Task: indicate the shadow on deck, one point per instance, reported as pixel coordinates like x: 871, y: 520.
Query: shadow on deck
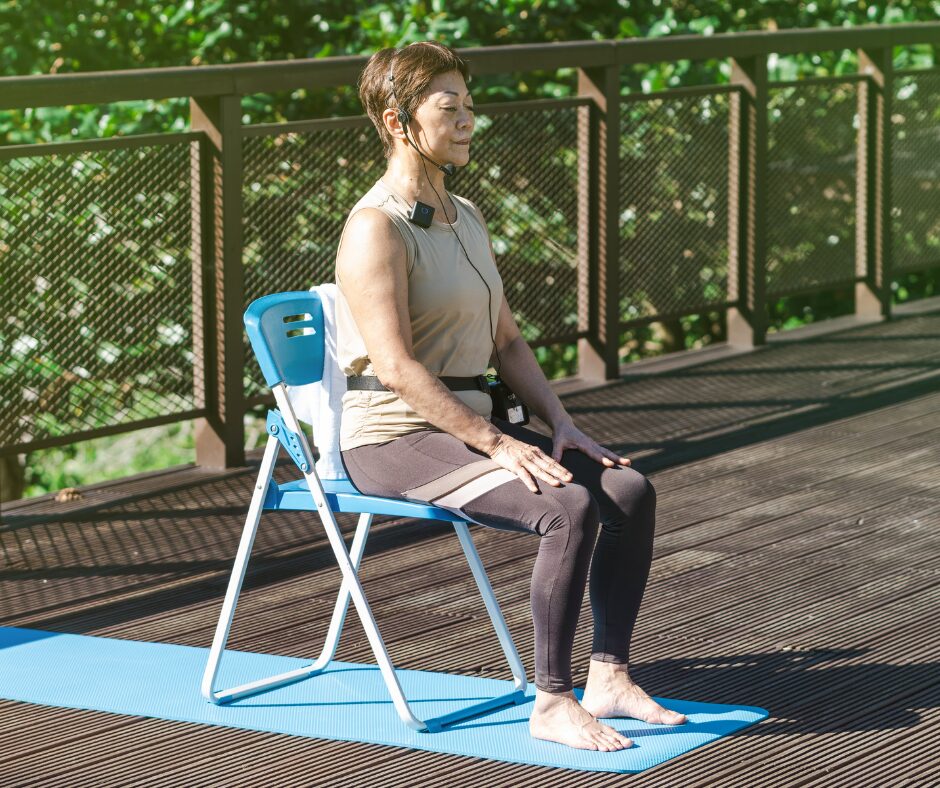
x: 796, y: 569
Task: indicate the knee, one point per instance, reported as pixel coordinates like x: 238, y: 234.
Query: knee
x: 632, y: 499
x: 575, y: 509
x: 635, y: 492
x: 582, y: 506
x: 581, y: 513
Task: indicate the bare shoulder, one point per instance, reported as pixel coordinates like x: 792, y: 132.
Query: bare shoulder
x: 371, y: 244
x: 372, y: 225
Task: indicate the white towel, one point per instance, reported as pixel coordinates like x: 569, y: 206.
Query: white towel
x: 320, y: 404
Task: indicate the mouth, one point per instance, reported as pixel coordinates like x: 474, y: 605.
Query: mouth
x: 461, y: 142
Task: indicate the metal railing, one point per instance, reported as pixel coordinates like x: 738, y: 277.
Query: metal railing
x: 126, y: 262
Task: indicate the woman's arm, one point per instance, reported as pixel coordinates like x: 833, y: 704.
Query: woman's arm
x: 522, y: 372
x: 520, y: 369
x: 371, y: 272
x: 517, y: 364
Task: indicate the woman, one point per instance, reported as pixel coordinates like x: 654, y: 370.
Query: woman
x: 420, y: 309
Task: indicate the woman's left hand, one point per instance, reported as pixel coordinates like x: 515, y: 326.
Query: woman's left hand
x: 567, y: 436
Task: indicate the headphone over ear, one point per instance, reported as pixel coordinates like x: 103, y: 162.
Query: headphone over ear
x: 403, y: 116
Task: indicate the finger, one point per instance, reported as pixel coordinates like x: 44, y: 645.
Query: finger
x: 597, y: 454
x: 616, y: 458
x: 551, y: 478
x: 542, y: 473
x: 555, y: 468
x: 604, y: 456
x: 527, y: 479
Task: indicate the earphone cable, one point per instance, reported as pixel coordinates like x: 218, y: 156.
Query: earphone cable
x: 489, y: 293
x: 403, y: 118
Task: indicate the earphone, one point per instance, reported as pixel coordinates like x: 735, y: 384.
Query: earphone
x: 422, y: 214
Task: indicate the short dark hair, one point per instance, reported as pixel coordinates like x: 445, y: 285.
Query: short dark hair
x: 414, y: 67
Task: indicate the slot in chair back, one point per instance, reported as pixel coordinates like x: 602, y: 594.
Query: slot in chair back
x: 287, y: 333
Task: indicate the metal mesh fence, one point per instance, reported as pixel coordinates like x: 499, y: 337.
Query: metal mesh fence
x: 915, y: 182
x: 674, y: 204
x: 300, y: 185
x: 95, y: 237
x: 811, y: 186
x: 95, y: 254
x: 298, y: 190
x: 523, y: 175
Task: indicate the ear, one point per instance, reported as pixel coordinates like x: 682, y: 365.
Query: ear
x: 392, y: 125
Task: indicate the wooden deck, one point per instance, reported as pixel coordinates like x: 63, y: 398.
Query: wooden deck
x: 796, y: 569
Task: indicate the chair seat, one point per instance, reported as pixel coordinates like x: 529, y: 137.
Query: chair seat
x: 343, y: 497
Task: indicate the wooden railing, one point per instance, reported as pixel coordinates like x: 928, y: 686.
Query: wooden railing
x: 621, y: 250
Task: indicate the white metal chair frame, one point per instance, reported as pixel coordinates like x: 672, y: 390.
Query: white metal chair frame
x: 344, y: 498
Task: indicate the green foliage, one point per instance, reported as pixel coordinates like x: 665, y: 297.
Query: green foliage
x: 675, y: 210
x: 116, y: 456
x: 109, y: 458
x: 67, y: 37
x: 89, y: 364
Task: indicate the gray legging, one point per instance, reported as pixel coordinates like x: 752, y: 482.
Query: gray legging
x: 438, y: 468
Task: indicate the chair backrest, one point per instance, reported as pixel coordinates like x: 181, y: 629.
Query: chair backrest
x: 287, y: 335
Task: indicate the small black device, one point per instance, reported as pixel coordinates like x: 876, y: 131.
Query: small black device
x: 421, y: 214
x: 506, y: 405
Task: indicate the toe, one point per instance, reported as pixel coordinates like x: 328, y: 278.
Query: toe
x: 609, y: 745
x: 672, y: 717
x: 618, y: 743
x: 614, y: 739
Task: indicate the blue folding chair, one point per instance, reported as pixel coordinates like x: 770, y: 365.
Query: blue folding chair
x: 287, y: 335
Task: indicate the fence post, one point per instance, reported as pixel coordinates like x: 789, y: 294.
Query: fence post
x: 873, y: 247
x: 598, y: 222
x: 217, y: 280
x: 747, y: 200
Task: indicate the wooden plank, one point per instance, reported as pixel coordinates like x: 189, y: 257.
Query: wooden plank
x: 811, y: 553
x: 809, y: 711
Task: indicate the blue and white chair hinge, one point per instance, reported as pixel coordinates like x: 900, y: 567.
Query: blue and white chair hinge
x: 289, y: 439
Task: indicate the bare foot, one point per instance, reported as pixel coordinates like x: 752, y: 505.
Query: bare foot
x: 560, y: 718
x: 610, y: 692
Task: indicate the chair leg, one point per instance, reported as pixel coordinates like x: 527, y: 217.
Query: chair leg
x: 350, y: 576
x: 234, y: 590
x: 342, y: 599
x: 238, y: 573
x: 517, y: 695
x: 492, y: 605
x: 351, y: 588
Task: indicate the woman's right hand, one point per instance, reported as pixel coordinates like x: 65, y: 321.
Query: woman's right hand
x: 528, y: 461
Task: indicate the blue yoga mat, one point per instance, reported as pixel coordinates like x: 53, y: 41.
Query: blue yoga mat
x: 348, y: 702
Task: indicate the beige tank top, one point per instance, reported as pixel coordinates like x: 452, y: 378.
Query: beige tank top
x: 447, y: 302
